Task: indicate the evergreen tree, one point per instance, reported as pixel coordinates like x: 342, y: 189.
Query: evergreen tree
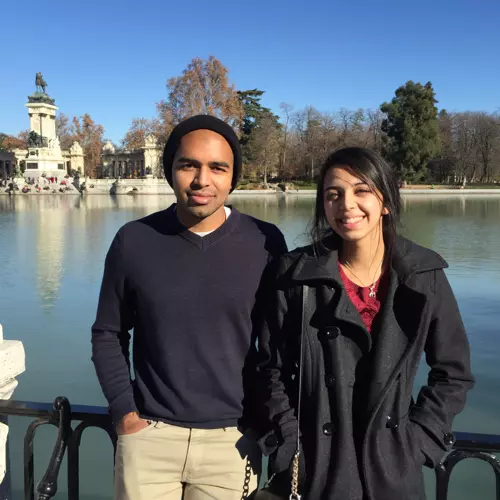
x: 411, y: 128
x: 254, y: 116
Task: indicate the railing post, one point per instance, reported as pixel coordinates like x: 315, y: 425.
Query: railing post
x: 11, y: 365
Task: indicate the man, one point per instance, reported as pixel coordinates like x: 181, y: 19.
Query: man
x: 185, y: 280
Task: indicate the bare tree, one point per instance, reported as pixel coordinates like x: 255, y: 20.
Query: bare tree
x: 487, y: 135
x: 374, y: 119
x: 135, y: 137
x: 443, y: 167
x: 286, y: 110
x: 203, y: 88
x: 357, y: 129
x: 470, y: 147
x: 308, y: 125
x: 344, y: 118
x: 65, y: 131
x: 465, y: 148
x: 265, y: 146
x: 90, y: 136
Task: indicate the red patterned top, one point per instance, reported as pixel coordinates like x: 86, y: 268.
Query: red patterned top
x: 368, y: 307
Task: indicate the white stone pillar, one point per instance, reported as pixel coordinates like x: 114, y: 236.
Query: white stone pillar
x: 152, y: 155
x: 12, y: 364
x: 77, y: 158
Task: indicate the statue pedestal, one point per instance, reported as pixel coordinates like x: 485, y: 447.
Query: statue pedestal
x: 47, y: 161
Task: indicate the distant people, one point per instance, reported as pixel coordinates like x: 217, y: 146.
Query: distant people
x: 374, y: 303
x: 185, y: 279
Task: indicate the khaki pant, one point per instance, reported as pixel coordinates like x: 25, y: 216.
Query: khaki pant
x: 168, y: 462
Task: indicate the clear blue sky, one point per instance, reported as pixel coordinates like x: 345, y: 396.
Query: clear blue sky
x: 112, y: 58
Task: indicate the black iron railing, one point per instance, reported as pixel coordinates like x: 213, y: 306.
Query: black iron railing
x: 69, y: 436
x: 468, y: 445
x: 62, y: 415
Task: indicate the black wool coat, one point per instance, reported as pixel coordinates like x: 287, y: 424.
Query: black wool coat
x: 363, y: 435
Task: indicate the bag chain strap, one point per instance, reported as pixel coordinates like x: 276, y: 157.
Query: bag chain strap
x: 294, y: 495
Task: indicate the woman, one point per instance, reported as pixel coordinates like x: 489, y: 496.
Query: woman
x: 375, y: 303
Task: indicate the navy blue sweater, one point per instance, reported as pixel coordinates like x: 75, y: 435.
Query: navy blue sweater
x: 190, y: 301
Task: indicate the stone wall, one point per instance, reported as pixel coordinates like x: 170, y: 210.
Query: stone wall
x: 148, y: 185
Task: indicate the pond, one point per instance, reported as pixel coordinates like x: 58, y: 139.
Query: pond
x: 52, y: 250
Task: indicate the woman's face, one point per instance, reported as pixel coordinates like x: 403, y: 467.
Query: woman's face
x: 354, y: 210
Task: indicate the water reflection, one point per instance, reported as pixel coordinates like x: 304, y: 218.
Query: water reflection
x: 70, y: 234
x: 50, y: 253
x: 464, y: 228
x: 291, y: 213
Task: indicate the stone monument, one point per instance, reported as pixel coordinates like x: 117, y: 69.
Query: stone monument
x: 44, y: 151
x: 108, y: 148
x: 151, y: 156
x: 76, y: 155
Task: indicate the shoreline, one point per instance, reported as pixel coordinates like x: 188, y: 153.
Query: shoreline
x: 267, y: 192
x: 406, y: 191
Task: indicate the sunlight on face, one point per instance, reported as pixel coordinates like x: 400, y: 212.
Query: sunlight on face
x: 353, y: 208
x: 202, y: 174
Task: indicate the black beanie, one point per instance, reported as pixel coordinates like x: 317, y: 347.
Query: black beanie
x: 201, y: 122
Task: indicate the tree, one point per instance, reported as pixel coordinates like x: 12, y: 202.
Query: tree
x: 465, y: 147
x: 65, y: 131
x: 23, y: 136
x: 411, y: 129
x: 163, y: 125
x: 286, y: 110
x: 10, y: 142
x: 357, y: 130
x: 3, y: 137
x: 252, y: 111
x: 487, y: 141
x: 308, y: 124
x: 135, y: 137
x: 203, y: 88
x: 90, y: 136
x: 443, y: 167
x: 264, y: 144
x: 255, y: 118
x: 375, y: 118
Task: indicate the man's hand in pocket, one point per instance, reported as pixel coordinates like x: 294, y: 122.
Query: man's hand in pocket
x: 130, y: 424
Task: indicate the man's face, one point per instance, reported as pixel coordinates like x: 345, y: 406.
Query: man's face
x: 202, y: 174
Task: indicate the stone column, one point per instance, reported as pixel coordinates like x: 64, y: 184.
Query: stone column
x: 77, y: 158
x: 151, y: 155
x: 11, y: 365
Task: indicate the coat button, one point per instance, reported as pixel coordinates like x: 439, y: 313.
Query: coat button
x: 449, y: 439
x: 330, y: 380
x: 328, y: 429
x: 332, y: 332
x: 391, y: 423
x: 271, y: 441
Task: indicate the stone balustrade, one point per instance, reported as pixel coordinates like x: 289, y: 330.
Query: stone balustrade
x: 12, y: 364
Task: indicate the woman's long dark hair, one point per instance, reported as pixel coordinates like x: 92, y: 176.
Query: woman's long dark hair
x: 372, y: 169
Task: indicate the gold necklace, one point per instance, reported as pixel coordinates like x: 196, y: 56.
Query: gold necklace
x: 371, y: 287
